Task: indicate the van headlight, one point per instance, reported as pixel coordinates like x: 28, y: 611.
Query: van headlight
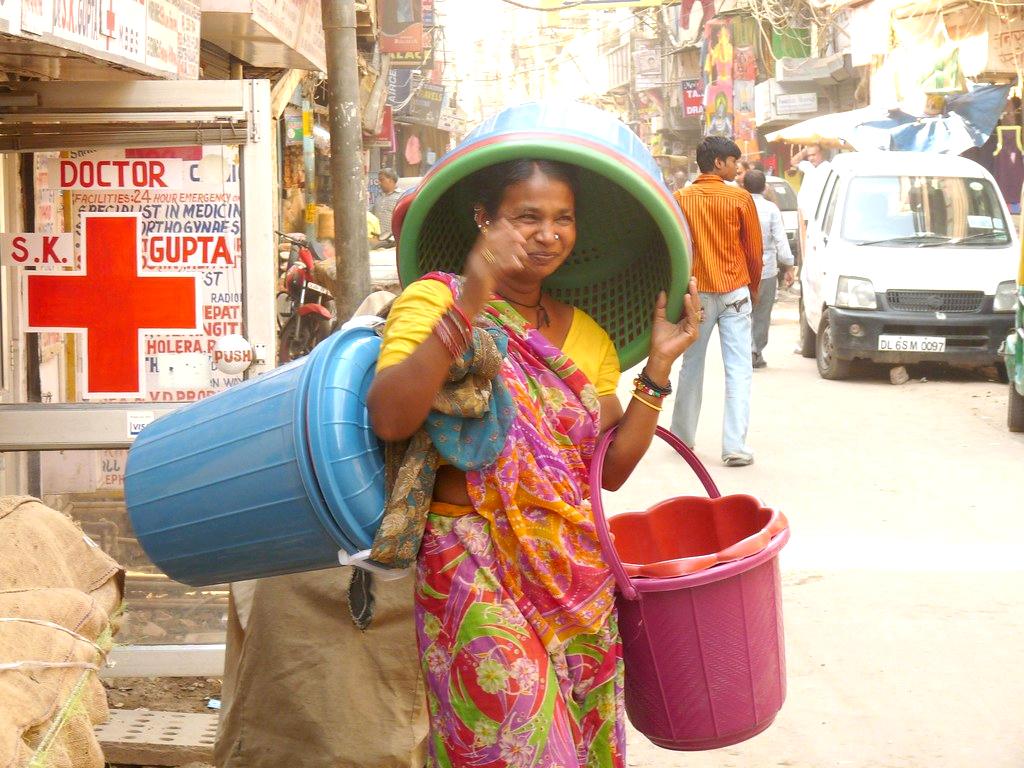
x: 855, y: 293
x: 1006, y: 296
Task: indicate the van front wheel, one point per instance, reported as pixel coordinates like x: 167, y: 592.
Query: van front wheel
x: 829, y: 366
x: 807, y: 340
x: 1015, y: 411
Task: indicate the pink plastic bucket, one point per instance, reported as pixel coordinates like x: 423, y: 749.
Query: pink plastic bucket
x: 704, y: 652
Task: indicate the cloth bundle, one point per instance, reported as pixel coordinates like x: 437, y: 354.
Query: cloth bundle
x: 467, y: 426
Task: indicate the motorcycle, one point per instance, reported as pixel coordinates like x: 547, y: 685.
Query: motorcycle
x: 306, y: 310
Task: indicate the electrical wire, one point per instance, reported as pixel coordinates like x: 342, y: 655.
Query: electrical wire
x: 526, y: 7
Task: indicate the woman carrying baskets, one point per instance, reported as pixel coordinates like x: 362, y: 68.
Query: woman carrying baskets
x: 501, y: 392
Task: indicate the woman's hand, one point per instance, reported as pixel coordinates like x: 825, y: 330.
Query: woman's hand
x: 499, y: 251
x: 669, y: 340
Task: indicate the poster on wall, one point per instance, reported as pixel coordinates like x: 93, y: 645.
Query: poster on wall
x: 744, y: 121
x: 718, y: 77
x: 401, y: 25
x: 168, y: 238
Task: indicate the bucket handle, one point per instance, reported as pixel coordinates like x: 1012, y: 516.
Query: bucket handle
x: 597, y: 470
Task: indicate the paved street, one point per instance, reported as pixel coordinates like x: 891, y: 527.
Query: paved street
x: 904, y: 576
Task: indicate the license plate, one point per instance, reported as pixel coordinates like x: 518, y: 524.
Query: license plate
x: 311, y: 286
x: 911, y: 344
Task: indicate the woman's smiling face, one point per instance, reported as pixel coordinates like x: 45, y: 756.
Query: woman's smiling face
x: 543, y: 211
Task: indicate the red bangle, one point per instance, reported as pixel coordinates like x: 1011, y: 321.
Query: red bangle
x: 462, y: 314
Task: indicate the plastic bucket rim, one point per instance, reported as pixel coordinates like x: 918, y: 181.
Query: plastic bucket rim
x: 715, y: 573
x: 304, y: 458
x: 312, y: 412
x: 776, y: 520
x: 496, y: 148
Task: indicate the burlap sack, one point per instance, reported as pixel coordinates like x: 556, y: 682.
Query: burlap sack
x: 304, y: 688
x: 52, y: 576
x: 41, y: 547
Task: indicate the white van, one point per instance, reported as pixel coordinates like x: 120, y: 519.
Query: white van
x: 908, y: 257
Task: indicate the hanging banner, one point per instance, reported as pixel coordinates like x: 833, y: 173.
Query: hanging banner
x: 717, y: 66
x: 401, y: 25
x: 399, y: 89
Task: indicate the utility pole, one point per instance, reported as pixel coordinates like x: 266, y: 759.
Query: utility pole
x: 348, y: 187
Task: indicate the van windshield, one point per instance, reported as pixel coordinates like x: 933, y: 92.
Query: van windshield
x: 785, y: 197
x: 919, y: 210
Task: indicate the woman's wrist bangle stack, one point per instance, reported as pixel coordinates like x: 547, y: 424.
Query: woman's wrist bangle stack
x: 645, y: 385
x: 454, y: 331
x: 652, y: 406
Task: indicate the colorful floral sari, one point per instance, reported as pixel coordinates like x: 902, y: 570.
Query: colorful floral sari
x: 514, y: 603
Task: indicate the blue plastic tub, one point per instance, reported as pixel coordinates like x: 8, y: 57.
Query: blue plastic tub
x: 348, y: 460
x: 224, y: 490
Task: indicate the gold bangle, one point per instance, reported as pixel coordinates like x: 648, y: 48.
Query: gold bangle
x: 652, y: 406
x: 488, y: 256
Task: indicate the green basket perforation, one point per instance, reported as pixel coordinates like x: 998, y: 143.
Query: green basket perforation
x: 629, y: 244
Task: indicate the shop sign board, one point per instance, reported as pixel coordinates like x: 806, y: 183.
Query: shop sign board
x: 37, y: 16
x: 693, y: 98
x: 297, y: 23
x: 422, y: 59
x: 399, y: 88
x: 44, y: 252
x: 10, y: 16
x: 117, y: 173
x: 426, y: 104
x: 1006, y: 43
x: 428, y: 13
x: 646, y: 64
x: 79, y: 301
x: 796, y: 103
x: 401, y: 25
x: 160, y: 34
x: 188, y: 230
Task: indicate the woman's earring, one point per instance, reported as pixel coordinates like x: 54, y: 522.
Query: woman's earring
x: 558, y: 237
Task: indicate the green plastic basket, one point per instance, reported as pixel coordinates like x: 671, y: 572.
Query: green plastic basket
x: 630, y: 242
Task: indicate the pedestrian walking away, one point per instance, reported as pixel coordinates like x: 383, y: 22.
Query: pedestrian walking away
x: 776, y: 252
x: 515, y: 605
x: 385, y: 205
x: 727, y: 260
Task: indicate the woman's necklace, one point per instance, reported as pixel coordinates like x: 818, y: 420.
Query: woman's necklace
x: 543, y: 319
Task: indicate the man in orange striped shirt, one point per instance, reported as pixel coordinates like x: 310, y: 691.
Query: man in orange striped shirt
x: 727, y: 253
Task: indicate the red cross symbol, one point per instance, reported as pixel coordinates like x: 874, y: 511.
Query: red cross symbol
x: 112, y: 303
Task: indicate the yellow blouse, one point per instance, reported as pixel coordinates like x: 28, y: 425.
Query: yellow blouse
x: 415, y: 312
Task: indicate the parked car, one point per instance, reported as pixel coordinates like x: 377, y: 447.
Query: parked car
x: 785, y: 198
x: 1014, y: 354
x: 908, y: 257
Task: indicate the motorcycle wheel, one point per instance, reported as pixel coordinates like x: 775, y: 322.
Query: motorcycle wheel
x: 296, y: 339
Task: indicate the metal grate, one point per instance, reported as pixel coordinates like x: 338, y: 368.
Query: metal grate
x: 935, y: 301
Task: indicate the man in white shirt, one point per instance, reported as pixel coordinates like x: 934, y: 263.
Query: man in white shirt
x: 776, y: 252
x: 810, y: 161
